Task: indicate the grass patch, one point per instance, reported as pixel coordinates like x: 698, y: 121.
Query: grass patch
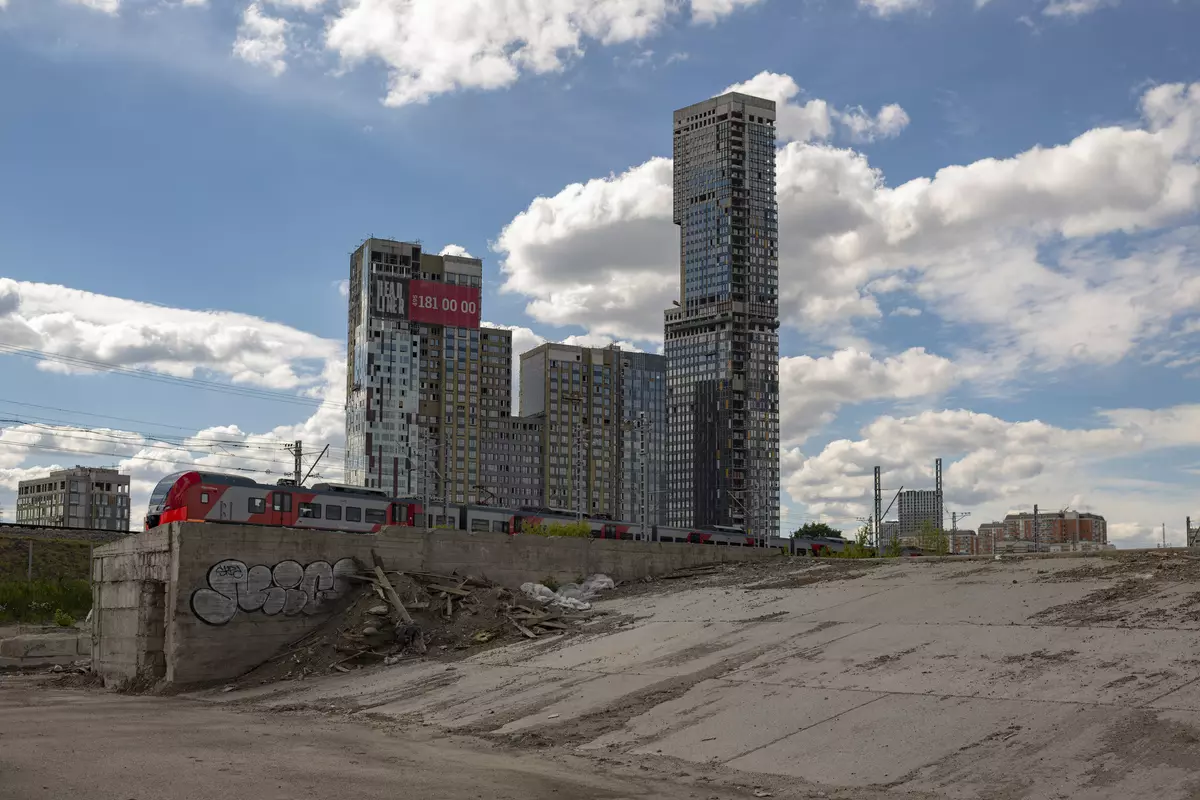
x: 45, y: 601
x: 53, y: 559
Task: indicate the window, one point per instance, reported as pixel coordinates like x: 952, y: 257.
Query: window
x: 479, y: 524
x: 204, y: 497
x: 281, y: 501
x: 375, y: 515
x: 353, y: 514
x: 499, y: 526
x: 257, y: 505
x: 333, y: 512
x: 310, y: 510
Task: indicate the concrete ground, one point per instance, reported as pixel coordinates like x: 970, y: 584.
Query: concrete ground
x: 1031, y: 679
x: 100, y: 746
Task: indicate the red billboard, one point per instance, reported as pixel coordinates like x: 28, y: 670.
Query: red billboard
x: 443, y: 304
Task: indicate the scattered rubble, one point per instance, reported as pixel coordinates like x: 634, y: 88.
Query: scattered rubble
x: 426, y: 615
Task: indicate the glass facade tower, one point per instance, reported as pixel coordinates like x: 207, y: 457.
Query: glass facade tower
x: 722, y: 339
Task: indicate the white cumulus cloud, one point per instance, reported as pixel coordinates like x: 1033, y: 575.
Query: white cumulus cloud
x: 887, y: 8
x: 968, y: 241
x: 455, y: 250
x: 813, y: 389
x: 814, y: 119
x: 992, y: 466
x: 90, y: 328
x: 106, y: 6
x: 262, y: 40
x: 1075, y: 8
x: 432, y: 47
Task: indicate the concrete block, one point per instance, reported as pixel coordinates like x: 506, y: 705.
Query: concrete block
x: 62, y: 645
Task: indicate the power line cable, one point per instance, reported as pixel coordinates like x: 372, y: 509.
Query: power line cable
x: 198, y: 383
x: 5, y: 401
x: 187, y: 442
x: 144, y: 446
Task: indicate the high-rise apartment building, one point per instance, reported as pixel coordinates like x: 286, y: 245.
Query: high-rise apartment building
x: 918, y: 506
x: 599, y: 407
x: 426, y: 387
x: 83, y: 497
x: 722, y: 340
x: 510, y: 475
x: 642, y: 448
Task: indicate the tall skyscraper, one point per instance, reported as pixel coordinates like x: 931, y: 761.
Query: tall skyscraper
x: 602, y: 428
x: 722, y: 339
x: 426, y: 388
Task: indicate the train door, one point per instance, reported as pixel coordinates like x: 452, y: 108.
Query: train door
x: 399, y: 514
x: 225, y: 508
x: 281, y: 508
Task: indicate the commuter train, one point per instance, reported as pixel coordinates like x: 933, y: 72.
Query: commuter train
x: 211, y: 497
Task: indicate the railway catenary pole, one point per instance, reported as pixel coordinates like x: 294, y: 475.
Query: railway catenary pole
x: 878, y: 515
x: 1037, y: 534
x: 296, y: 448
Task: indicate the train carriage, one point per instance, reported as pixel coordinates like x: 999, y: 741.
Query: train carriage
x: 195, y: 496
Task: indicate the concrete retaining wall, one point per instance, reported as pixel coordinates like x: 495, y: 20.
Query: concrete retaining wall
x: 130, y: 580
x: 236, y: 595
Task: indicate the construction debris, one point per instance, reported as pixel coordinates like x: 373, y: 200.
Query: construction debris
x: 425, y: 616
x: 573, y: 596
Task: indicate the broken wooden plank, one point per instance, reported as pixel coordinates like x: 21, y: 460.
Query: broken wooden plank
x: 393, y: 598
x: 528, y: 633
x: 558, y: 626
x: 434, y: 587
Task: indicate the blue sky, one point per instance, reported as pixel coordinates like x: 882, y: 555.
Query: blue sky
x: 1026, y: 316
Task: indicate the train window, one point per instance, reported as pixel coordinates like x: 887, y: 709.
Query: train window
x: 281, y: 501
x: 256, y: 505
x: 333, y: 512
x: 353, y: 514
x: 480, y: 525
x: 499, y: 526
x: 204, y: 497
x: 310, y: 510
x: 439, y: 520
x: 375, y: 515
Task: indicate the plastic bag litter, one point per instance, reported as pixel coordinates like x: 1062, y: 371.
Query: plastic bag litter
x: 596, y: 584
x: 573, y: 596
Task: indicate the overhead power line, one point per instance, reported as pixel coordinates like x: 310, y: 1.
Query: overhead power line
x: 186, y: 442
x: 158, y: 377
x: 144, y: 446
x: 72, y: 423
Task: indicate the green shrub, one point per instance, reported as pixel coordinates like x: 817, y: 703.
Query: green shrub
x: 550, y: 583
x: 62, y: 619
x: 574, y: 530
x: 43, y: 601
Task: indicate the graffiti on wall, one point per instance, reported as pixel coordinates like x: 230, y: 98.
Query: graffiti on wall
x: 287, y: 588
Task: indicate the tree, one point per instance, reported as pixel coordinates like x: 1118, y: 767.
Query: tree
x: 932, y: 540
x: 818, y: 530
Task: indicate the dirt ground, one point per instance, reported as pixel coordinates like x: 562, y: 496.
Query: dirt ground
x: 57, y: 743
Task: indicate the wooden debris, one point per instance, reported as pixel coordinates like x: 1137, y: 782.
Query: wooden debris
x: 558, y: 626
x: 524, y: 631
x: 393, y: 598
x: 433, y: 587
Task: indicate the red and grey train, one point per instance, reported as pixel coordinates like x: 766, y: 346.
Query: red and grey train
x: 212, y: 497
